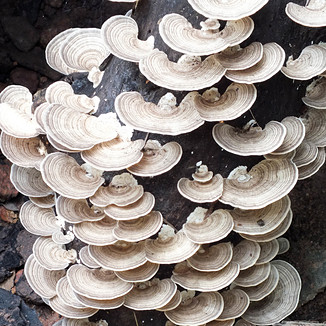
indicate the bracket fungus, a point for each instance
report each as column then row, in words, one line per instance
column 249, row 140
column 164, row 118
column 120, row 35
column 246, row 253
column 227, row 10
column 253, row 276
column 188, row 74
column 313, row 14
column 316, row 94
column 269, row 250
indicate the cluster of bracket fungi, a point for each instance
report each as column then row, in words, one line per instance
column 125, row 240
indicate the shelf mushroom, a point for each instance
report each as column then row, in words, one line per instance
column 310, row 169
column 164, row 118
column 265, row 183
column 204, row 188
column 100, row 304
column 246, row 253
column 316, row 94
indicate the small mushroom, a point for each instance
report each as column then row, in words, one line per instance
column 310, row 169
column 269, row 250
column 246, row 253
column 253, row 276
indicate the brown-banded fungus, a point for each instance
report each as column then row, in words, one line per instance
column 197, row 310
column 211, row 259
column 62, row 93
column 97, row 284
column 313, row 14
column 191, row 279
column 86, row 258
column 201, row 190
column 310, row 169
column 227, row 10
column 265, row 183
column 100, row 304
column 310, row 63
column 202, row 229
column 169, row 247
column 249, row 140
column 173, row 303
column 157, row 159
column 62, row 238
column 305, row 154
column 120, row 35
column 164, row 118
column 40, row 279
column 316, row 94
column 314, row 121
column 260, row 221
column 150, row 295
column 281, row 302
column 237, row 99
column 68, row 178
column 270, row 64
column 43, row 202
column 269, row 250
column 188, row 74
column 120, row 256
column 253, row 275
column 246, row 254
column 284, row 245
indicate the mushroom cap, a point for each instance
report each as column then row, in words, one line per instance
column 141, row 207
column 29, row 181
column 157, row 159
column 242, row 322
column 189, row 73
column 25, row 152
column 310, row 63
column 37, row 220
column 275, row 233
column 120, row 256
column 202, row 174
column 114, row 155
column 52, row 56
column 281, row 302
column 260, row 291
column 60, row 92
column 164, row 118
column 40, row 279
column 86, row 258
column 178, row 33
column 237, row 99
column 77, row 130
column 83, row 49
column 140, row 228
column 173, row 303
column 60, row 307
column 237, row 58
column 151, row 294
column 51, row 255
column 139, row 274
column 67, row 177
column 305, row 154
column 201, row 192
column 265, row 183
column 120, row 35
column 213, row 258
column 201, row 309
column 66, row 293
column 246, row 253
column 191, row 279
column 270, row 64
column 77, row 210
column 18, row 97
column 268, row 251
column 313, row 14
column 252, row 141
column 316, row 94
column 295, row 133
column 284, row 245
column 227, row 10
column 98, row 233
column 169, row 249
column 253, row 276
column 97, row 284
column 310, row 169
column 213, row 228
column 315, row 126
column 236, row 302
column 100, row 304
column 43, row 202
column 120, row 193
column 260, row 221
column 60, row 238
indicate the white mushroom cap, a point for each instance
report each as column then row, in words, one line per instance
column 86, row 258
column 313, row 14
column 253, row 275
column 310, row 169
column 189, row 73
column 100, row 304
column 246, row 253
column 120, row 34
column 227, row 10
column 316, row 94
column 164, row 118
column 305, row 154
column 314, row 121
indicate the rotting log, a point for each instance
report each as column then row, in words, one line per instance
column 277, row 98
